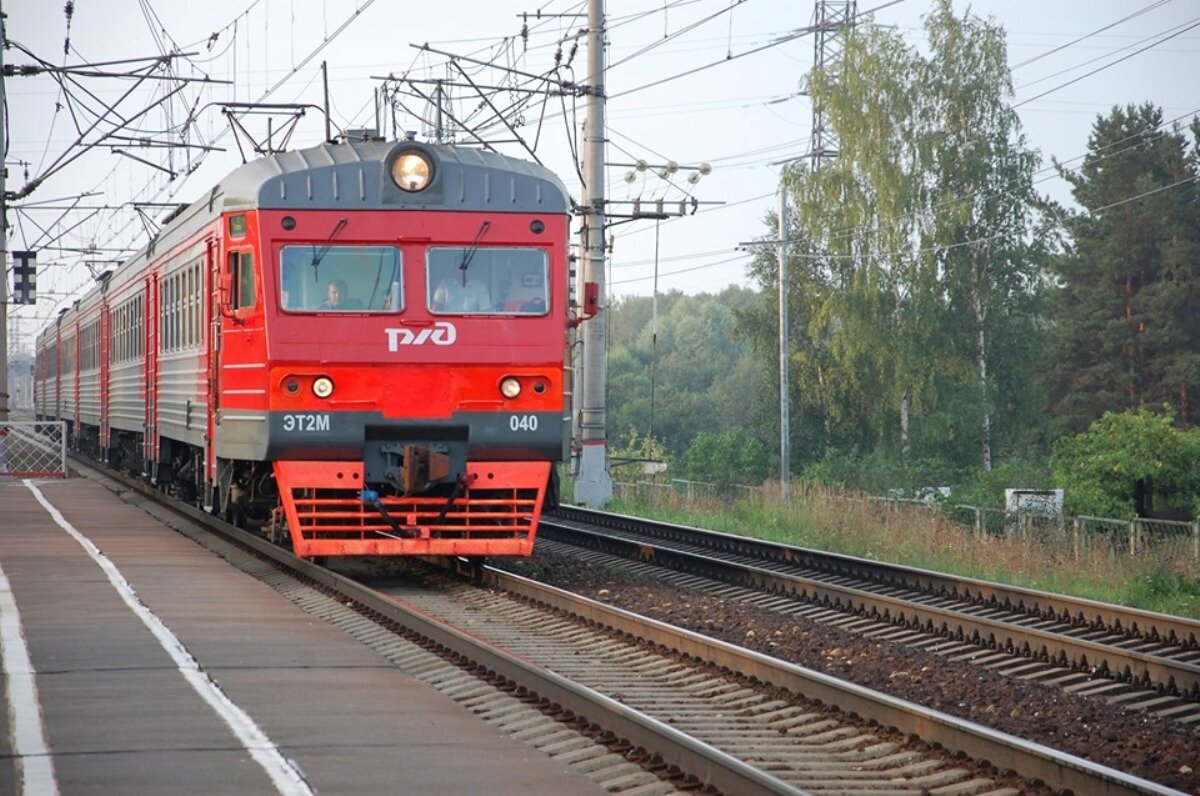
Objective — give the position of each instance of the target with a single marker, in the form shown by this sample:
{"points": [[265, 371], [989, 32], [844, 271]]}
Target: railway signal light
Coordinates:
{"points": [[24, 278]]}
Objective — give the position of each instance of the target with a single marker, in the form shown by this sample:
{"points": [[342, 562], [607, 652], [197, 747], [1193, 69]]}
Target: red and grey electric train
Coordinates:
{"points": [[359, 346]]}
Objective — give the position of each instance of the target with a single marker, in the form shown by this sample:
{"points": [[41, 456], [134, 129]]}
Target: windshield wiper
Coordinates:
{"points": [[469, 254], [320, 255]]}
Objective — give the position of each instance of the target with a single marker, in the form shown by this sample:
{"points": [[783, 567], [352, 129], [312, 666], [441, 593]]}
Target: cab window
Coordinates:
{"points": [[465, 280], [344, 278]]}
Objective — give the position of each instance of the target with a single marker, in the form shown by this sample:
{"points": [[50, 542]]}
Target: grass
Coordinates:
{"points": [[1166, 579]]}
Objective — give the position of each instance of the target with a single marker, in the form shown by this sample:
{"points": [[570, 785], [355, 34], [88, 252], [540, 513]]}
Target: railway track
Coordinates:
{"points": [[628, 698], [1141, 659]]}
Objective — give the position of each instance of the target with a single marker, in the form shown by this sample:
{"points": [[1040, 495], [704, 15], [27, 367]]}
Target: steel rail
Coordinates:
{"points": [[1163, 671], [1080, 609], [1032, 761]]}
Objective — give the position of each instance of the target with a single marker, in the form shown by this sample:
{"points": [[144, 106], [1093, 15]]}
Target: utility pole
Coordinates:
{"points": [[3, 235], [785, 431], [593, 483]]}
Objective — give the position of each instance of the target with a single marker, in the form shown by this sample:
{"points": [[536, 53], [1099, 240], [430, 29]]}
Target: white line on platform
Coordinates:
{"points": [[283, 773], [24, 714]]}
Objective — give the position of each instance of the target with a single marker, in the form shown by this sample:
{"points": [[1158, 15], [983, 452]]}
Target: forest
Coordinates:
{"points": [[949, 324]]}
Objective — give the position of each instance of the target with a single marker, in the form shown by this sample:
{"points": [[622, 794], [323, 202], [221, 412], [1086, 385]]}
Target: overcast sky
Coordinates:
{"points": [[743, 116]]}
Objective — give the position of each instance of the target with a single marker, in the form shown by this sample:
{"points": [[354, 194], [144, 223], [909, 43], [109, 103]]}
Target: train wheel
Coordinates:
{"points": [[471, 567]]}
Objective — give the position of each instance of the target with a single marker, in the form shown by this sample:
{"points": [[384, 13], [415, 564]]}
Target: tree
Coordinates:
{"points": [[691, 375], [1122, 456], [916, 285], [984, 233], [1126, 331]]}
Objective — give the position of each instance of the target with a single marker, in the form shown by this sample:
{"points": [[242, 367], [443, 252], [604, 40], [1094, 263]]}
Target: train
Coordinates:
{"points": [[358, 348]]}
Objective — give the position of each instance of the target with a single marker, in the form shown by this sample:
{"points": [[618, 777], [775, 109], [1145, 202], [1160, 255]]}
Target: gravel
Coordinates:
{"points": [[1160, 750]]}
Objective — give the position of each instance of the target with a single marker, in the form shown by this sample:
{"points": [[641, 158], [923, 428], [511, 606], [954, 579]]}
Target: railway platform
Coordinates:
{"points": [[136, 661]]}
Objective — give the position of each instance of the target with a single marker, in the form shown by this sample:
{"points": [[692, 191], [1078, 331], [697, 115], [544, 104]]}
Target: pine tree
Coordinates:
{"points": [[1126, 331]]}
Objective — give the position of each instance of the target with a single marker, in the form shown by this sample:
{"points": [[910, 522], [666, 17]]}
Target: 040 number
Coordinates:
{"points": [[523, 422]]}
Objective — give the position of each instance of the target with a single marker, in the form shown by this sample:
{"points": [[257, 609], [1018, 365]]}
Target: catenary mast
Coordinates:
{"points": [[593, 483]]}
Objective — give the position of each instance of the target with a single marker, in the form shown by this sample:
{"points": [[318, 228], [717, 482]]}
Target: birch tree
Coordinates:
{"points": [[925, 242]]}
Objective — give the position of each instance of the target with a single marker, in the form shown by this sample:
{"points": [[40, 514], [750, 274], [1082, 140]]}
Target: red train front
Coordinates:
{"points": [[360, 343]]}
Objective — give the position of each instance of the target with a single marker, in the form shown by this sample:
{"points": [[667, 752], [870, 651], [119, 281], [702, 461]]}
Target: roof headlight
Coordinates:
{"points": [[412, 170], [323, 387], [510, 388]]}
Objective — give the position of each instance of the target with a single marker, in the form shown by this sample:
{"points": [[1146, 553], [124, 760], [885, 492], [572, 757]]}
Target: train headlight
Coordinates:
{"points": [[412, 171], [510, 388], [323, 387]]}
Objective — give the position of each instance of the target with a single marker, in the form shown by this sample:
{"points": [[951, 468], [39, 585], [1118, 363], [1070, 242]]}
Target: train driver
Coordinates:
{"points": [[451, 295], [337, 297]]}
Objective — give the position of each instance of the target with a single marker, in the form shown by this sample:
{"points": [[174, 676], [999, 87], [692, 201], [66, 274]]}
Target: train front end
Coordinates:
{"points": [[393, 333]]}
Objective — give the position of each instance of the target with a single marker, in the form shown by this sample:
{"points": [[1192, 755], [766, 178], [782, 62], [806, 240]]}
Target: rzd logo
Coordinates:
{"points": [[441, 333]]}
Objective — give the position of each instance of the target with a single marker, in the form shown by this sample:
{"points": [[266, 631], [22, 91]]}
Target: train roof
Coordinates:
{"points": [[354, 176]]}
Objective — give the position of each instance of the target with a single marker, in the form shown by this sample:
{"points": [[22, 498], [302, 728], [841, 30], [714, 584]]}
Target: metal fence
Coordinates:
{"points": [[1135, 537], [33, 449], [655, 492], [1132, 537]]}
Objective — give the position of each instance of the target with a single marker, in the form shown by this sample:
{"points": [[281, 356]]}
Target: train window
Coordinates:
{"points": [[241, 266], [137, 327], [344, 278], [168, 315], [485, 280]]}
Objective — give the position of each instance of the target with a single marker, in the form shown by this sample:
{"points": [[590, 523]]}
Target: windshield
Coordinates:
{"points": [[494, 281], [343, 278]]}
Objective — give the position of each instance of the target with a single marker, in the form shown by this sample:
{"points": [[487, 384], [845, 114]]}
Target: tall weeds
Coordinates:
{"points": [[1165, 579]]}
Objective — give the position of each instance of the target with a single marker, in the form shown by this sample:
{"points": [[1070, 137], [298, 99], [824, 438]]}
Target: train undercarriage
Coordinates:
{"points": [[428, 504]]}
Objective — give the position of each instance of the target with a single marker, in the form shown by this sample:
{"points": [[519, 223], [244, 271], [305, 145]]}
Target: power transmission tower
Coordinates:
{"points": [[831, 23]]}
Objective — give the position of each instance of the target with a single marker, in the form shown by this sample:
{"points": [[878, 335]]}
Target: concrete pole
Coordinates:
{"points": [[593, 484], [785, 447]]}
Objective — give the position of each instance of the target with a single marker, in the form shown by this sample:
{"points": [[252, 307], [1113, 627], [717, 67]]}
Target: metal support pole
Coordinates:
{"points": [[3, 239], [325, 81], [593, 484], [785, 448]]}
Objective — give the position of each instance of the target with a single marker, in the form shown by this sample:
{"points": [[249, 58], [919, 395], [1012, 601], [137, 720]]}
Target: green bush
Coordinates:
{"points": [[985, 488], [1100, 468], [732, 457]]}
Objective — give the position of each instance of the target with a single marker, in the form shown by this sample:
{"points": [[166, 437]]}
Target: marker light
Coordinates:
{"points": [[510, 388], [323, 387], [412, 171]]}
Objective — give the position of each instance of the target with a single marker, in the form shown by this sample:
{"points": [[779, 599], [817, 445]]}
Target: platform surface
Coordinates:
{"points": [[118, 715]]}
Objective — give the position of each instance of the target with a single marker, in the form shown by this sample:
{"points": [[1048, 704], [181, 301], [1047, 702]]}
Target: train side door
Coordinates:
{"points": [[56, 374], [104, 347], [212, 346], [150, 328]]}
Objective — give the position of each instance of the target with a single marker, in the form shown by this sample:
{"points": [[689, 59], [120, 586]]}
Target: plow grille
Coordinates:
{"points": [[480, 514], [496, 516]]}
